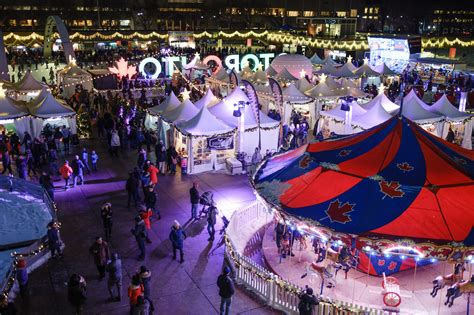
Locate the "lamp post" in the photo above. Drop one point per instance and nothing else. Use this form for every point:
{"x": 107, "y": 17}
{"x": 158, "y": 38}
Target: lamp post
{"x": 240, "y": 114}
{"x": 346, "y": 107}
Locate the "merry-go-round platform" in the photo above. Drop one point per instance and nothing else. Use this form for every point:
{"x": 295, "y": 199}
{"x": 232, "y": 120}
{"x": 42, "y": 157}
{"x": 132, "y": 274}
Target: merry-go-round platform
{"x": 362, "y": 289}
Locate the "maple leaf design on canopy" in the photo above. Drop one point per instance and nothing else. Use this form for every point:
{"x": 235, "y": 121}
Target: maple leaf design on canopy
{"x": 122, "y": 69}
{"x": 338, "y": 212}
{"x": 391, "y": 189}
{"x": 344, "y": 153}
{"x": 405, "y": 167}
{"x": 305, "y": 161}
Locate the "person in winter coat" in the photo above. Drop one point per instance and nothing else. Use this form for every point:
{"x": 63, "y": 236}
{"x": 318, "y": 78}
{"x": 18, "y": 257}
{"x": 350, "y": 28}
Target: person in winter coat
{"x": 21, "y": 167}
{"x": 66, "y": 172}
{"x": 47, "y": 184}
{"x": 106, "y": 215}
{"x": 85, "y": 160}
{"x": 6, "y": 162}
{"x": 160, "y": 152}
{"x": 52, "y": 158}
{"x": 77, "y": 171}
{"x": 177, "y": 237}
{"x": 146, "y": 214}
{"x": 22, "y": 277}
{"x": 195, "y": 197}
{"x": 140, "y": 234}
{"x": 145, "y": 277}
{"x": 153, "y": 171}
{"x": 134, "y": 291}
{"x": 54, "y": 239}
{"x": 143, "y": 306}
{"x": 141, "y": 158}
{"x": 114, "y": 143}
{"x": 150, "y": 200}
{"x": 211, "y": 222}
{"x": 76, "y": 292}
{"x": 114, "y": 269}
{"x": 132, "y": 189}
{"x": 94, "y": 159}
{"x": 307, "y": 302}
{"x": 30, "y": 162}
{"x": 226, "y": 290}
{"x": 100, "y": 251}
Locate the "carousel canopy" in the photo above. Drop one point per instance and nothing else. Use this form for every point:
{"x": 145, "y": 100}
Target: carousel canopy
{"x": 303, "y": 85}
{"x": 384, "y": 70}
{"x": 414, "y": 109}
{"x": 27, "y": 83}
{"x": 45, "y": 105}
{"x": 444, "y": 107}
{"x": 9, "y": 108}
{"x": 185, "y": 111}
{"x": 285, "y": 75}
{"x": 293, "y": 95}
{"x": 392, "y": 181}
{"x": 170, "y": 103}
{"x": 315, "y": 60}
{"x": 382, "y": 100}
{"x": 294, "y": 64}
{"x": 207, "y": 100}
{"x": 203, "y": 124}
{"x": 336, "y": 112}
{"x": 366, "y": 70}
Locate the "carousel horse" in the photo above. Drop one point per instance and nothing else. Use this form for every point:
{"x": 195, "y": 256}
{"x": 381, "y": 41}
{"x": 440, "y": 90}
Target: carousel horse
{"x": 326, "y": 273}
{"x": 346, "y": 261}
{"x": 441, "y": 281}
{"x": 458, "y": 289}
{"x": 301, "y": 241}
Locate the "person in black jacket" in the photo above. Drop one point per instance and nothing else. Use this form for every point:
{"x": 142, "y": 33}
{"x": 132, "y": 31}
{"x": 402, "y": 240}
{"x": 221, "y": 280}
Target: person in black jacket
{"x": 76, "y": 292}
{"x": 307, "y": 302}
{"x": 77, "y": 171}
{"x": 132, "y": 189}
{"x": 226, "y": 290}
{"x": 211, "y": 222}
{"x": 141, "y": 235}
{"x": 54, "y": 239}
{"x": 7, "y": 163}
{"x": 194, "y": 193}
{"x": 106, "y": 215}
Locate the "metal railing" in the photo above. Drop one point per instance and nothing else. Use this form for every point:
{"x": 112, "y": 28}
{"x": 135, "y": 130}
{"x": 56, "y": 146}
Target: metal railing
{"x": 272, "y": 289}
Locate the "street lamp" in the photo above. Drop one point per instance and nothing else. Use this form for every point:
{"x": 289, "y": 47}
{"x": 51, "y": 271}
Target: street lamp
{"x": 240, "y": 114}
{"x": 346, "y": 107}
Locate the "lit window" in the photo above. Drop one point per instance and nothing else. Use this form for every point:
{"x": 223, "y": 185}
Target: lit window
{"x": 341, "y": 13}
{"x": 371, "y": 10}
{"x": 366, "y": 10}
{"x": 12, "y": 22}
{"x": 80, "y": 8}
{"x": 292, "y": 13}
{"x": 308, "y": 13}
{"x": 124, "y": 22}
{"x": 376, "y": 10}
{"x": 353, "y": 12}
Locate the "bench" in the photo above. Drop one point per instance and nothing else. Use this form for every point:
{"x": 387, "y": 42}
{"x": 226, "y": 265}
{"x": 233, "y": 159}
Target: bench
{"x": 391, "y": 291}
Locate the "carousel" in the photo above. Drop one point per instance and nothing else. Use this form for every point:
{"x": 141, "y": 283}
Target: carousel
{"x": 393, "y": 201}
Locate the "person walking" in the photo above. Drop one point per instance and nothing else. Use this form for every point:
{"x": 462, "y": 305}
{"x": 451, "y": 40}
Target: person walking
{"x": 76, "y": 293}
{"x": 160, "y": 152}
{"x": 114, "y": 143}
{"x": 146, "y": 214}
{"x": 47, "y": 184}
{"x": 54, "y": 239}
{"x": 226, "y": 290}
{"x": 211, "y": 222}
{"x": 145, "y": 278}
{"x": 131, "y": 186}
{"x": 100, "y": 251}
{"x": 106, "y": 215}
{"x": 256, "y": 158}
{"x": 114, "y": 269}
{"x": 85, "y": 160}
{"x": 66, "y": 172}
{"x": 140, "y": 236}
{"x": 52, "y": 158}
{"x": 177, "y": 237}
{"x": 307, "y": 302}
{"x": 22, "y": 277}
{"x": 150, "y": 199}
{"x": 134, "y": 291}
{"x": 195, "y": 197}
{"x": 21, "y": 167}
{"x": 94, "y": 159}
{"x": 142, "y": 307}
{"x": 66, "y": 138}
{"x": 77, "y": 171}
{"x": 7, "y": 163}
{"x": 141, "y": 158}
{"x": 153, "y": 171}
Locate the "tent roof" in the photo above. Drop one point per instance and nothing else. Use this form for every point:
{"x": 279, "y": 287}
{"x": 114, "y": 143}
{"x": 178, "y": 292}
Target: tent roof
{"x": 207, "y": 100}
{"x": 303, "y": 85}
{"x": 293, "y": 95}
{"x": 329, "y": 61}
{"x": 271, "y": 71}
{"x": 444, "y": 107}
{"x": 168, "y": 104}
{"x": 221, "y": 75}
{"x": 45, "y": 105}
{"x": 347, "y": 83}
{"x": 285, "y": 75}
{"x": 377, "y": 183}
{"x": 373, "y": 117}
{"x": 315, "y": 60}
{"x": 186, "y": 110}
{"x": 382, "y": 100}
{"x": 246, "y": 72}
{"x": 73, "y": 70}
{"x": 10, "y": 109}
{"x": 260, "y": 77}
{"x": 366, "y": 70}
{"x": 28, "y": 83}
{"x": 414, "y": 109}
{"x": 328, "y": 69}
{"x": 336, "y": 112}
{"x": 383, "y": 69}
{"x": 293, "y": 63}
{"x": 346, "y": 71}
{"x": 203, "y": 124}
{"x": 321, "y": 90}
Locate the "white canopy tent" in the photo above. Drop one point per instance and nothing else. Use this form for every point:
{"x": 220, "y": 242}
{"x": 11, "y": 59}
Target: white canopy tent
{"x": 259, "y": 77}
{"x": 26, "y": 89}
{"x": 329, "y": 61}
{"x": 285, "y": 76}
{"x": 415, "y": 110}
{"x": 71, "y": 76}
{"x": 270, "y": 71}
{"x": 291, "y": 94}
{"x": 185, "y": 111}
{"x": 303, "y": 85}
{"x": 328, "y": 69}
{"x": 366, "y": 70}
{"x": 170, "y": 103}
{"x": 323, "y": 90}
{"x": 315, "y": 60}
{"x": 295, "y": 64}
{"x": 374, "y": 116}
{"x": 384, "y": 70}
{"x": 336, "y": 120}
{"x": 382, "y": 100}
{"x": 11, "y": 111}
{"x": 207, "y": 100}
{"x": 246, "y": 73}
{"x": 346, "y": 71}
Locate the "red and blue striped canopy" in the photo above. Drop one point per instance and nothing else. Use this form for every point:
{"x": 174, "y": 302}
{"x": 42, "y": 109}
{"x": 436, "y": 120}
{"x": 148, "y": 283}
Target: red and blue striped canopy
{"x": 394, "y": 180}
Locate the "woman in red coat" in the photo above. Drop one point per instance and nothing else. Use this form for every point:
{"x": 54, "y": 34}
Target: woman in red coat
{"x": 153, "y": 171}
{"x": 146, "y": 214}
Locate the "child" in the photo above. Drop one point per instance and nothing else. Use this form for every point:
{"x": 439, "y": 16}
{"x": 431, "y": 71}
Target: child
{"x": 94, "y": 159}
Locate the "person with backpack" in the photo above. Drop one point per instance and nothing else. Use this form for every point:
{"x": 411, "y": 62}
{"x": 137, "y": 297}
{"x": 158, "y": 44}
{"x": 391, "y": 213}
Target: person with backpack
{"x": 177, "y": 237}
{"x": 211, "y": 222}
{"x": 307, "y": 302}
{"x": 226, "y": 290}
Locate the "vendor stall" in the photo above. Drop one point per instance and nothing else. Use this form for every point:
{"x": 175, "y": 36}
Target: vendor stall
{"x": 415, "y": 110}
{"x": 207, "y": 100}
{"x": 10, "y": 111}
{"x": 26, "y": 89}
{"x": 71, "y": 77}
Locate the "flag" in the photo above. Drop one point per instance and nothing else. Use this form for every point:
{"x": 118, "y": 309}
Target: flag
{"x": 254, "y": 104}
{"x": 277, "y": 94}
{"x": 233, "y": 78}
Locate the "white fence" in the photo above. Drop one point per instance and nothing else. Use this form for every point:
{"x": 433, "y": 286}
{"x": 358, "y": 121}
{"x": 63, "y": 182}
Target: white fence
{"x": 276, "y": 292}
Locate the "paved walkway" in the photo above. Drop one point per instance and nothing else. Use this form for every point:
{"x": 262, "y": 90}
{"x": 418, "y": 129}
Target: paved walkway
{"x": 188, "y": 288}
{"x": 363, "y": 290}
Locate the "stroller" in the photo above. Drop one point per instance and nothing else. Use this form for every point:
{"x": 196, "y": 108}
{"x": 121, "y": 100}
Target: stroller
{"x": 207, "y": 201}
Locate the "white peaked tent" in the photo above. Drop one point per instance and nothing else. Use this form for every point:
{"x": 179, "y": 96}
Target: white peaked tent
{"x": 303, "y": 85}
{"x": 322, "y": 90}
{"x": 27, "y": 83}
{"x": 366, "y": 70}
{"x": 291, "y": 94}
{"x": 260, "y": 77}
{"x": 414, "y": 109}
{"x": 285, "y": 76}
{"x": 334, "y": 120}
{"x": 384, "y": 70}
{"x": 203, "y": 124}
{"x": 460, "y": 121}
{"x": 269, "y": 132}
{"x": 346, "y": 71}
{"x": 332, "y": 83}
{"x": 72, "y": 75}
{"x": 207, "y": 100}
{"x": 221, "y": 75}
{"x": 329, "y": 61}
{"x": 315, "y": 60}
{"x": 9, "y": 108}
{"x": 185, "y": 111}
{"x": 337, "y": 113}
{"x": 347, "y": 84}
{"x": 382, "y": 100}
{"x": 294, "y": 64}
{"x": 374, "y": 116}
{"x": 270, "y": 71}
{"x": 168, "y": 104}
{"x": 246, "y": 73}
{"x": 328, "y": 69}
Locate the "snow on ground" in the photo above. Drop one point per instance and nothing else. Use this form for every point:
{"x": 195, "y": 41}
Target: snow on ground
{"x": 22, "y": 217}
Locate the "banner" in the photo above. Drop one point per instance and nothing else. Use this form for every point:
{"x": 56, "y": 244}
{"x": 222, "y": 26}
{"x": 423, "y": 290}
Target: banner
{"x": 253, "y": 98}
{"x": 233, "y": 78}
{"x": 220, "y": 143}
{"x": 277, "y": 95}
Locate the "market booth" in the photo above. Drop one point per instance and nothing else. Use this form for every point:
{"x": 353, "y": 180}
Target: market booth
{"x": 72, "y": 76}
{"x": 152, "y": 120}
{"x": 297, "y": 65}
{"x": 207, "y": 100}
{"x": 26, "y": 89}
{"x": 415, "y": 109}
{"x": 10, "y": 112}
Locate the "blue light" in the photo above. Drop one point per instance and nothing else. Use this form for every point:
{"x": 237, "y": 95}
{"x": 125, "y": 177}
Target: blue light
{"x": 433, "y": 260}
{"x": 403, "y": 257}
